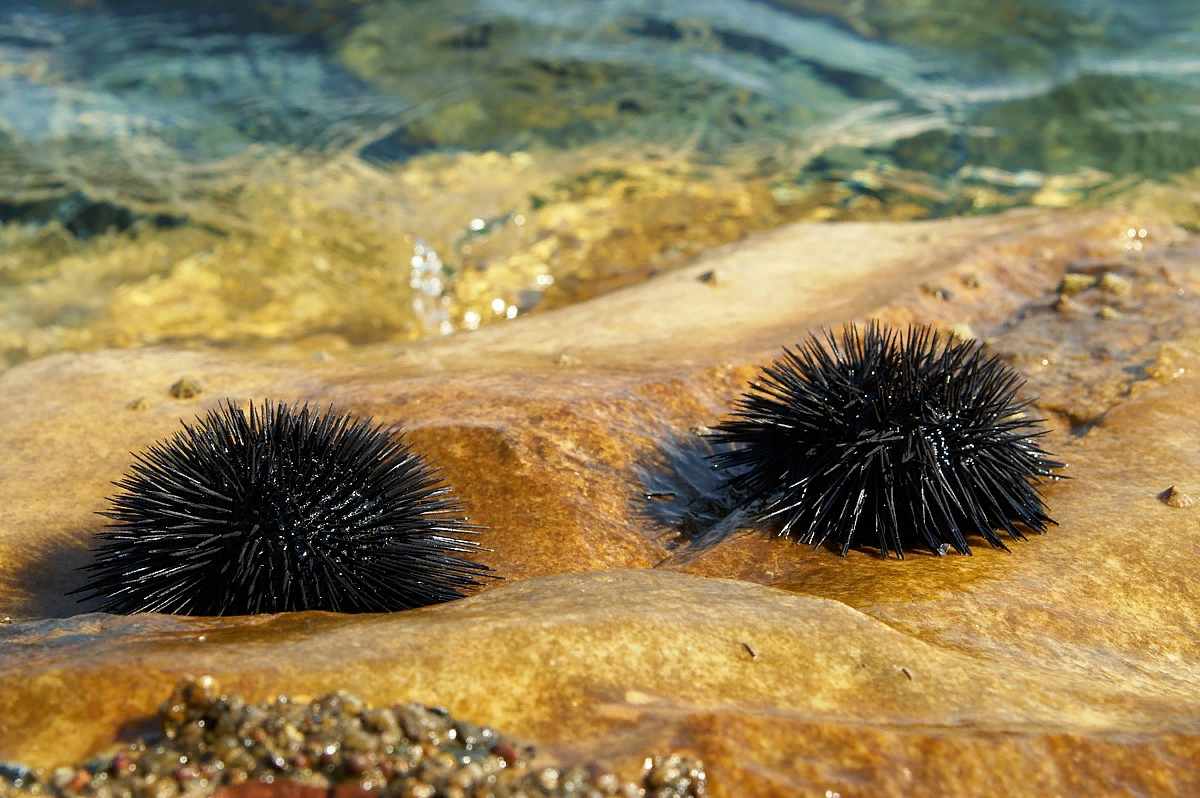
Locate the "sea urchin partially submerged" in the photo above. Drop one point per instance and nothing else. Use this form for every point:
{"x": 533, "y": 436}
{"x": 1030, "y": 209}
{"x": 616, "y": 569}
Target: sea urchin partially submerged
{"x": 278, "y": 509}
{"x": 894, "y": 438}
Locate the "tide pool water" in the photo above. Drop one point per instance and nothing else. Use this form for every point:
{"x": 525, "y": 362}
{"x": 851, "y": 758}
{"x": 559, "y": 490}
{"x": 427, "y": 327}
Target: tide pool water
{"x": 280, "y": 167}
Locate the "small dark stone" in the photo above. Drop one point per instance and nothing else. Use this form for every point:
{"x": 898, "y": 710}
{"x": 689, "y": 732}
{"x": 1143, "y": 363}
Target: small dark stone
{"x": 17, "y": 774}
{"x": 186, "y": 773}
{"x": 506, "y": 752}
{"x": 358, "y": 764}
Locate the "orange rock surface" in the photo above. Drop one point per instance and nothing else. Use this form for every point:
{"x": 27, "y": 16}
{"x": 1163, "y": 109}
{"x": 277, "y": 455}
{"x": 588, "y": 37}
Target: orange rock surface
{"x": 1065, "y": 667}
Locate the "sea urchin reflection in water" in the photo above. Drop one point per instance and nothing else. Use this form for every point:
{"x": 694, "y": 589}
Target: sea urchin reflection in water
{"x": 889, "y": 439}
{"x": 278, "y": 509}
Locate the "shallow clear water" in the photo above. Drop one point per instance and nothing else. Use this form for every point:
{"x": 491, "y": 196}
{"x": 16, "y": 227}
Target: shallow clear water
{"x": 137, "y": 116}
{"x": 91, "y": 92}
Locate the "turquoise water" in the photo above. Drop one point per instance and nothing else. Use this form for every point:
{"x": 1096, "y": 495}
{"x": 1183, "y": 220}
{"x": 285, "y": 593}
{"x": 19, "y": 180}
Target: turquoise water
{"x": 108, "y": 111}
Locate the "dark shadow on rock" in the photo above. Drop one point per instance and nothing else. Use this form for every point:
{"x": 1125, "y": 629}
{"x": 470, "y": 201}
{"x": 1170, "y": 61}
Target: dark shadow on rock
{"x": 41, "y": 585}
{"x": 683, "y": 493}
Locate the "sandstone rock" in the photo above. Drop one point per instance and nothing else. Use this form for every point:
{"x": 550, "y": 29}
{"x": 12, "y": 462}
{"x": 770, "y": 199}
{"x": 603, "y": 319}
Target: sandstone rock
{"x": 1063, "y": 667}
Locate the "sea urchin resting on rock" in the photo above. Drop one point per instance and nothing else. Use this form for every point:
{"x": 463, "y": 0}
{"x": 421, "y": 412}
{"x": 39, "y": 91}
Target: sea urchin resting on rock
{"x": 281, "y": 508}
{"x": 885, "y": 437}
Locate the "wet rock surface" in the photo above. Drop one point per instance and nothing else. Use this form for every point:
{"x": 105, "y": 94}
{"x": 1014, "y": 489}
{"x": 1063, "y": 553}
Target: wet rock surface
{"x": 1062, "y": 667}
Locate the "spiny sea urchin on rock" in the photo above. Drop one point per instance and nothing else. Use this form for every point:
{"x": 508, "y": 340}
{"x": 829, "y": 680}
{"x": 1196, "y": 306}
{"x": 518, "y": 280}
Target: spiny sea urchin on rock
{"x": 888, "y": 438}
{"x": 277, "y": 509}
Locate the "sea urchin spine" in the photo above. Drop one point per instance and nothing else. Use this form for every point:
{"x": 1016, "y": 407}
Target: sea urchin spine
{"x": 900, "y": 439}
{"x": 277, "y": 509}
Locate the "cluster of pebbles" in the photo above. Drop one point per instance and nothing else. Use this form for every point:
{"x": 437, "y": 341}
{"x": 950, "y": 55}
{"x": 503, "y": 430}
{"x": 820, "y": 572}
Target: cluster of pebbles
{"x": 209, "y": 740}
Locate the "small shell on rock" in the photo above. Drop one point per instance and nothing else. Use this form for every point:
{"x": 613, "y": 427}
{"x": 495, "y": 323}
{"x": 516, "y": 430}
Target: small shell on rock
{"x": 185, "y": 388}
{"x": 1174, "y": 497}
{"x": 1074, "y": 282}
{"x": 937, "y": 291}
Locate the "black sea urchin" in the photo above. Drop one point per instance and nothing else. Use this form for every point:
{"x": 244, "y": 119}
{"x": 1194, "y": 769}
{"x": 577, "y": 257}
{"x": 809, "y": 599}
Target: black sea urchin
{"x": 913, "y": 439}
{"x": 282, "y": 508}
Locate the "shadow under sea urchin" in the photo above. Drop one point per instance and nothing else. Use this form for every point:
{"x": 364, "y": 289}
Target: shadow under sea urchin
{"x": 906, "y": 439}
{"x": 278, "y": 509}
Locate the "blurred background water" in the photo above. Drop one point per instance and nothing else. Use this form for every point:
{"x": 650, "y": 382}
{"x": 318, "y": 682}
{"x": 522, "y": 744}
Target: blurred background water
{"x": 303, "y": 178}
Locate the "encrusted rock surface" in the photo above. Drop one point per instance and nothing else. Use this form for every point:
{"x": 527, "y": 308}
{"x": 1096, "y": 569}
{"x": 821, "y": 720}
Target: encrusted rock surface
{"x": 1064, "y": 667}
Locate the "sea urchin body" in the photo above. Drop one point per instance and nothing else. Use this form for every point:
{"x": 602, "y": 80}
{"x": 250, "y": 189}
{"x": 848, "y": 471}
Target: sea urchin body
{"x": 887, "y": 438}
{"x": 277, "y": 509}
